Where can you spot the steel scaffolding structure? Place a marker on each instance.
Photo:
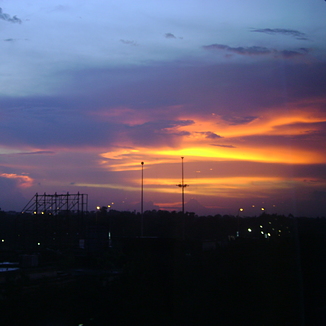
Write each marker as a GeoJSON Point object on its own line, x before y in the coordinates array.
{"type": "Point", "coordinates": [55, 204]}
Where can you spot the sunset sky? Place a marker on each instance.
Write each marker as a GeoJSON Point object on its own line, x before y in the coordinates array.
{"type": "Point", "coordinates": [90, 89]}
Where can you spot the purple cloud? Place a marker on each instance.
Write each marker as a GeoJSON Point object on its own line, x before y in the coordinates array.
{"type": "Point", "coordinates": [257, 51]}
{"type": "Point", "coordinates": [169, 35]}
{"type": "Point", "coordinates": [8, 18]}
{"type": "Point", "coordinates": [236, 120]}
{"type": "Point", "coordinates": [210, 135]}
{"type": "Point", "coordinates": [282, 31]}
{"type": "Point", "coordinates": [252, 50]}
{"type": "Point", "coordinates": [226, 146]}
{"type": "Point", "coordinates": [38, 153]}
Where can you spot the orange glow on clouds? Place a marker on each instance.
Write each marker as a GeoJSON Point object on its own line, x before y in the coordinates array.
{"type": "Point", "coordinates": [212, 138]}
{"type": "Point", "coordinates": [273, 155]}
{"type": "Point", "coordinates": [219, 187]}
{"type": "Point", "coordinates": [268, 123]}
{"type": "Point", "coordinates": [232, 187]}
{"type": "Point", "coordinates": [23, 181]}
{"type": "Point", "coordinates": [274, 136]}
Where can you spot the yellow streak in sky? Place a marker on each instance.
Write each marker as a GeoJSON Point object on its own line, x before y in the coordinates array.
{"type": "Point", "coordinates": [273, 155]}
{"type": "Point", "coordinates": [223, 187]}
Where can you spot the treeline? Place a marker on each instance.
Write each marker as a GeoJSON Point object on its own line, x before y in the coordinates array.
{"type": "Point", "coordinates": [23, 231]}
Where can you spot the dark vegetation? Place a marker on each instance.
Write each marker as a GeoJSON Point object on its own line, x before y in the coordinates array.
{"type": "Point", "coordinates": [184, 271]}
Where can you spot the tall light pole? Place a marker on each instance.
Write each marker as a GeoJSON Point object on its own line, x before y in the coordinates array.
{"type": "Point", "coordinates": [239, 211]}
{"type": "Point", "coordinates": [142, 199]}
{"type": "Point", "coordinates": [182, 185]}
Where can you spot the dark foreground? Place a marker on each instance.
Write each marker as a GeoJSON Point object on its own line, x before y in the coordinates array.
{"type": "Point", "coordinates": [170, 282]}
{"type": "Point", "coordinates": [96, 270]}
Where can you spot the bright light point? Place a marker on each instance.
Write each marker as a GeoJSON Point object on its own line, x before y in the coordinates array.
{"type": "Point", "coordinates": [269, 234]}
{"type": "Point", "coordinates": [262, 232]}
{"type": "Point", "coordinates": [252, 205]}
{"type": "Point", "coordinates": [3, 240]}
{"type": "Point", "coordinates": [109, 206]}
{"type": "Point", "coordinates": [98, 207]}
{"type": "Point", "coordinates": [34, 213]}
{"type": "Point", "coordinates": [249, 230]}
{"type": "Point", "coordinates": [261, 226]}
{"type": "Point", "coordinates": [42, 213]}
{"type": "Point", "coordinates": [241, 209]}
{"type": "Point", "coordinates": [39, 243]}
{"type": "Point", "coordinates": [262, 208]}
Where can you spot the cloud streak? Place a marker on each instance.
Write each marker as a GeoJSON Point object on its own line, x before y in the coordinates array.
{"type": "Point", "coordinates": [257, 51]}
{"type": "Point", "coordinates": [128, 42]}
{"type": "Point", "coordinates": [282, 31]}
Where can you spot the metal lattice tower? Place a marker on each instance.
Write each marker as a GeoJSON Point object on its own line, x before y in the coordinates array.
{"type": "Point", "coordinates": [55, 204]}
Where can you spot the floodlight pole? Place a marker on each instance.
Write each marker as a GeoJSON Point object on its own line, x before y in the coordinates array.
{"type": "Point", "coordinates": [183, 186]}
{"type": "Point", "coordinates": [142, 199]}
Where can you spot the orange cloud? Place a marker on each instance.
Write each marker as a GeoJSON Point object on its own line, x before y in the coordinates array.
{"type": "Point", "coordinates": [267, 123]}
{"type": "Point", "coordinates": [23, 181]}
{"type": "Point", "coordinates": [212, 138]}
